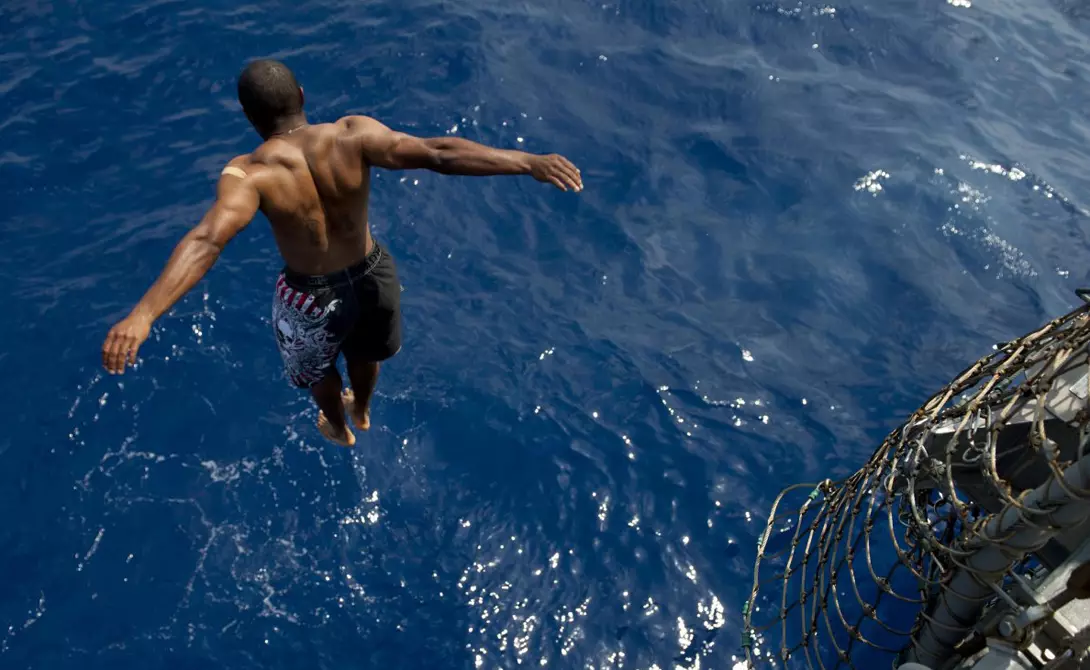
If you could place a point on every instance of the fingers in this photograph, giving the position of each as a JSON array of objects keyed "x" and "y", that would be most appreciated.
[
  {"x": 107, "y": 348},
  {"x": 120, "y": 355},
  {"x": 571, "y": 182},
  {"x": 113, "y": 354},
  {"x": 119, "y": 351},
  {"x": 555, "y": 181},
  {"x": 558, "y": 171},
  {"x": 134, "y": 348},
  {"x": 569, "y": 172}
]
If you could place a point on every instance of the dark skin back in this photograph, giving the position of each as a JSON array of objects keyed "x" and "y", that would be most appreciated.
[
  {"x": 313, "y": 183},
  {"x": 314, "y": 186}
]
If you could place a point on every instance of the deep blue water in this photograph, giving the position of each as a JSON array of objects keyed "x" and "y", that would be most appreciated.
[{"x": 799, "y": 219}]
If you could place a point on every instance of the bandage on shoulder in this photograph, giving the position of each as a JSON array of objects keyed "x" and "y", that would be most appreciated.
[{"x": 234, "y": 172}]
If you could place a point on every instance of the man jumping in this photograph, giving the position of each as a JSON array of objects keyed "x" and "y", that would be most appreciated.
[{"x": 338, "y": 292}]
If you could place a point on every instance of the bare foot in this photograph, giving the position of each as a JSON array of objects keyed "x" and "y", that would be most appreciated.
[
  {"x": 361, "y": 420},
  {"x": 345, "y": 438}
]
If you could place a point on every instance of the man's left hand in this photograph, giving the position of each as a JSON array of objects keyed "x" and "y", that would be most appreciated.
[{"x": 123, "y": 343}]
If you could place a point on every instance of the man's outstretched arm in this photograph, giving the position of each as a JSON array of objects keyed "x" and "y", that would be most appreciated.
[
  {"x": 386, "y": 148},
  {"x": 236, "y": 204}
]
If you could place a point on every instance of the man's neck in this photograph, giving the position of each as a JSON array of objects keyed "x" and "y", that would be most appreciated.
[{"x": 288, "y": 126}]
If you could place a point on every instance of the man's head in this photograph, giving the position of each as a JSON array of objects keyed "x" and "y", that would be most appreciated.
[{"x": 270, "y": 95}]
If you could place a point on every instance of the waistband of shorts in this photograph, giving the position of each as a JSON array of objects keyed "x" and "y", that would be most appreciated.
[{"x": 349, "y": 275}]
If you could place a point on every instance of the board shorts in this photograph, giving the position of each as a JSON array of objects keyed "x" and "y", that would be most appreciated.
[{"x": 356, "y": 311}]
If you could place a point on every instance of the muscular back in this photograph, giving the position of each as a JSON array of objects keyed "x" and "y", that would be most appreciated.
[{"x": 314, "y": 186}]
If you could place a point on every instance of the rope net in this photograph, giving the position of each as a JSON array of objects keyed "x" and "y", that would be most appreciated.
[{"x": 849, "y": 573}]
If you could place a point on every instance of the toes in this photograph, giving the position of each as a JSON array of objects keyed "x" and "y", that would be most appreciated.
[{"x": 347, "y": 439}]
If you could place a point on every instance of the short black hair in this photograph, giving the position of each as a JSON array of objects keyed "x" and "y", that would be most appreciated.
[{"x": 268, "y": 92}]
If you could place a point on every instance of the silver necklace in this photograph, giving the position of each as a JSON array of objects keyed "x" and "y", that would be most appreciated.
[{"x": 289, "y": 132}]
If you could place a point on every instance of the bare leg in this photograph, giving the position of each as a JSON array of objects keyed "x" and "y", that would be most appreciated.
[
  {"x": 331, "y": 403},
  {"x": 364, "y": 376}
]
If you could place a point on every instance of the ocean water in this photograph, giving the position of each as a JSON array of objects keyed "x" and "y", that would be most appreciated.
[{"x": 799, "y": 219}]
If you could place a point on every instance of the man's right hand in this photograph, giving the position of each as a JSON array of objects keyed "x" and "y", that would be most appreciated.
[{"x": 558, "y": 171}]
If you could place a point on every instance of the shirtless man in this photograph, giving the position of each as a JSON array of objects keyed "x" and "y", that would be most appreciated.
[{"x": 338, "y": 292}]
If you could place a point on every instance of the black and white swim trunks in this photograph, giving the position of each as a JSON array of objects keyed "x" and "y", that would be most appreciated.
[{"x": 356, "y": 311}]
